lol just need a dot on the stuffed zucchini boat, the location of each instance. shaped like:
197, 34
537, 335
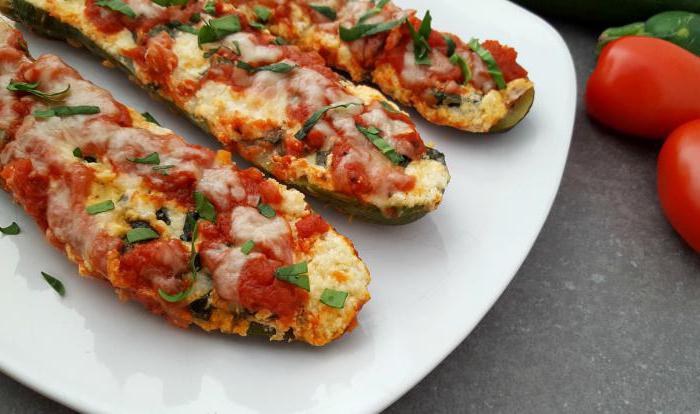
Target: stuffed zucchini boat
473, 86
277, 106
174, 226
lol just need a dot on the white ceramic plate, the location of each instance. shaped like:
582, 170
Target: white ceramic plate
433, 280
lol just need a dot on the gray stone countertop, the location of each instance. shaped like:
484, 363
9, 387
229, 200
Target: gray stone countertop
604, 315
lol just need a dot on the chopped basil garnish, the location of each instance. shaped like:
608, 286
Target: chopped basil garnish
56, 284
316, 116
195, 18
101, 207
217, 29
334, 298
11, 230
117, 6
247, 247
204, 207
421, 47
296, 274
190, 223
374, 11
163, 169
487, 57
364, 30
210, 8
193, 265
186, 28
459, 61
152, 158
168, 3
451, 46
280, 41
148, 117
262, 13
141, 234
77, 152
279, 67
372, 134
236, 48
328, 12
61, 111
389, 107
256, 25
266, 210
32, 88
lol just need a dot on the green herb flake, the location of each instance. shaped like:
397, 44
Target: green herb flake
280, 41
77, 152
421, 47
11, 230
117, 6
247, 247
236, 48
148, 117
390, 108
168, 3
326, 11
152, 158
32, 88
193, 259
296, 274
316, 116
372, 134
62, 111
458, 60
374, 11
279, 67
266, 210
204, 207
364, 30
140, 234
217, 29
256, 25
263, 13
162, 169
334, 298
178, 296
101, 207
451, 46
186, 28
56, 284
210, 8
491, 64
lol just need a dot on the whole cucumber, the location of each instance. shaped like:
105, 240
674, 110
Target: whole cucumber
679, 27
608, 11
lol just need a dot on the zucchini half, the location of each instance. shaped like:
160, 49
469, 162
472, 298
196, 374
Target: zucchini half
43, 23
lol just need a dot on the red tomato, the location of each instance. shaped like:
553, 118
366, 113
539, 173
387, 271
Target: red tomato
645, 87
679, 181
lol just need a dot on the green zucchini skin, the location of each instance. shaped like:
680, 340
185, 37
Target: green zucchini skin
608, 11
517, 113
44, 24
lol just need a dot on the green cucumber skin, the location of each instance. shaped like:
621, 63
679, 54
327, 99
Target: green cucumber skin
44, 24
608, 11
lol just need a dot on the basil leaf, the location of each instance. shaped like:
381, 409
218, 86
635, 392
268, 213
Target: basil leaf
178, 296
56, 284
279, 67
296, 274
247, 247
152, 158
77, 152
326, 11
280, 41
117, 6
211, 52
186, 28
101, 207
334, 298
263, 13
389, 107
148, 117
195, 18
256, 25
193, 259
421, 47
168, 3
32, 88
372, 134
374, 11
316, 116
459, 61
163, 169
210, 8
451, 46
141, 234
11, 230
62, 111
204, 207
487, 57
237, 48
266, 210
217, 29
364, 30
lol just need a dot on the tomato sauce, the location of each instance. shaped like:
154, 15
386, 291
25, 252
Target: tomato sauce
311, 225
177, 185
28, 188
259, 289
506, 58
157, 261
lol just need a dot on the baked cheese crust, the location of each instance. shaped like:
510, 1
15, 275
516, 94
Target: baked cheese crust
174, 226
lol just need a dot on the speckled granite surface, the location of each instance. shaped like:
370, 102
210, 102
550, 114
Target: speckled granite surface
604, 316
